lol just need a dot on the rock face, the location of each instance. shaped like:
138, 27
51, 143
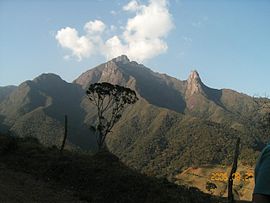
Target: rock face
158, 89
108, 72
112, 74
123, 59
90, 76
194, 84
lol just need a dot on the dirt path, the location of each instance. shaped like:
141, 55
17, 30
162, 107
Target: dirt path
24, 188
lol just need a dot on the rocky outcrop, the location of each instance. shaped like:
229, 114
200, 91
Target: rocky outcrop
194, 84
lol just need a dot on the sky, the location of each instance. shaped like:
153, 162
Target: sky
226, 41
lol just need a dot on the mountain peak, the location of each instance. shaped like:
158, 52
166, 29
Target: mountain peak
122, 58
194, 75
47, 76
194, 83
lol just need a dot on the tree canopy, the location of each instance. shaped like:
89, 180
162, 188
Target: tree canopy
110, 101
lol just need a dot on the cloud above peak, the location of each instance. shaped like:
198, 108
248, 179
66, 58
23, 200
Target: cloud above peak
81, 47
143, 36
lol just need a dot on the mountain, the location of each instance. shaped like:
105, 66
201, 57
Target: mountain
190, 96
37, 108
156, 89
167, 104
6, 91
175, 124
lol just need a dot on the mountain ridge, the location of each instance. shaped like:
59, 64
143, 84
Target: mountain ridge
173, 124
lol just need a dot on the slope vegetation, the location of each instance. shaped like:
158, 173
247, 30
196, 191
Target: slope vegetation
175, 124
80, 177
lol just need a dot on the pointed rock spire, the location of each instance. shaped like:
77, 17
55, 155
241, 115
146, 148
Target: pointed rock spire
194, 76
194, 84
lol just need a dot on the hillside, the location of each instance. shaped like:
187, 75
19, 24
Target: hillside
174, 125
178, 123
37, 108
77, 177
174, 142
6, 91
217, 174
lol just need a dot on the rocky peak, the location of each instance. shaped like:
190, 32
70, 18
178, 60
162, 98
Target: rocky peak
109, 72
194, 77
123, 59
194, 84
112, 74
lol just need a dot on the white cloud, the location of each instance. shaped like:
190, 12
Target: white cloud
113, 47
80, 46
143, 35
93, 27
132, 6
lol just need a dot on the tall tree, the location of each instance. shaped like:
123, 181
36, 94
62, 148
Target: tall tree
110, 101
65, 135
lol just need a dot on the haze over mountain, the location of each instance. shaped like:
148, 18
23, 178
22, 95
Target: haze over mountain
174, 124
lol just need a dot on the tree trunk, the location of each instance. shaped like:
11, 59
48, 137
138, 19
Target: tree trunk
102, 144
65, 135
234, 168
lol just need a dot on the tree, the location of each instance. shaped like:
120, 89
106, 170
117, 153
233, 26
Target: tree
65, 135
110, 101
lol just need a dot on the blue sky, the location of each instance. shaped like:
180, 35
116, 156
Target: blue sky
227, 41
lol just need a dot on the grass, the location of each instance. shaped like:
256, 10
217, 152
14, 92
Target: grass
92, 178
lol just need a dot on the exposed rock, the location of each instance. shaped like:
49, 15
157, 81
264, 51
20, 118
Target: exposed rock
112, 74
194, 84
90, 76
123, 59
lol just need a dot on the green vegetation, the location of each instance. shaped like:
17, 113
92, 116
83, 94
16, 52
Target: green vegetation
92, 178
175, 124
161, 142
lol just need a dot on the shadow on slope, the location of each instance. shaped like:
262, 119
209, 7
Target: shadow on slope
94, 178
3, 127
156, 89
